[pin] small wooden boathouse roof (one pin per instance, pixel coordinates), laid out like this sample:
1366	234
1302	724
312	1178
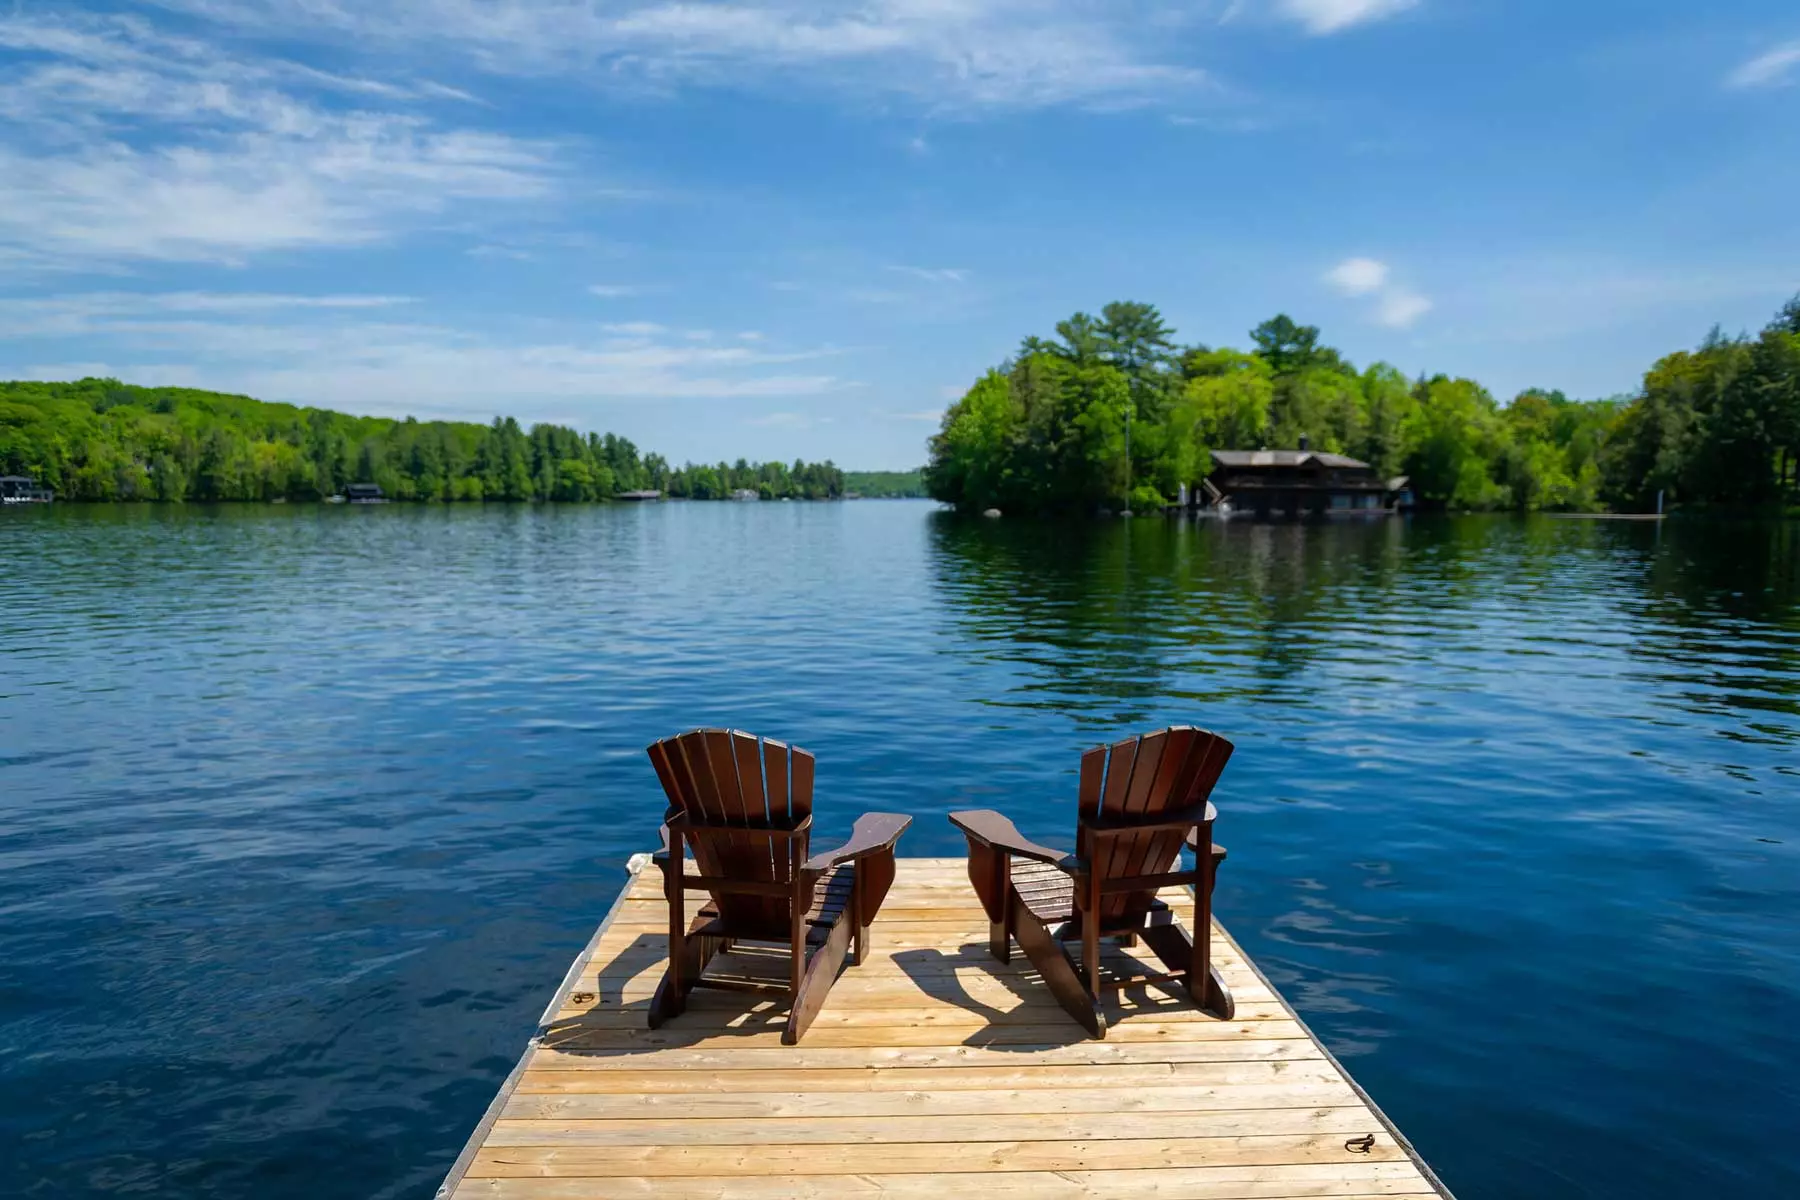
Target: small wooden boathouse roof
1286	458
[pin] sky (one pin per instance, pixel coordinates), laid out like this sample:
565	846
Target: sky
775	229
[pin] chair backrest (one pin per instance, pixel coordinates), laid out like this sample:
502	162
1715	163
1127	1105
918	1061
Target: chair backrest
747	804
1143	781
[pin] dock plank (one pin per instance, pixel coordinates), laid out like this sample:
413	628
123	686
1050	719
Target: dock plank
932	1070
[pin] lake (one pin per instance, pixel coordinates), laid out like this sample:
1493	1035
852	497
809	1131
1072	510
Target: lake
304	810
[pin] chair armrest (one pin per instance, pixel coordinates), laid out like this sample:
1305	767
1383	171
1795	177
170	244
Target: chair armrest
1218	851
988	828
872	833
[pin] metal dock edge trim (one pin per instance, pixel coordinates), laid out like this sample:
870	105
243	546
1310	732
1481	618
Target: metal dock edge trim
633	867
1393	1130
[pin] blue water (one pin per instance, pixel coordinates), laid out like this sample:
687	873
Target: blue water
304	811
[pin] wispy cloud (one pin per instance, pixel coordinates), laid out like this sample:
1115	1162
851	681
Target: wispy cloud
938	53
1772	68
1400	308
787	420
121	142
1320	17
1223	123
1395	305
615	291
934	274
924	414
333	351
110	312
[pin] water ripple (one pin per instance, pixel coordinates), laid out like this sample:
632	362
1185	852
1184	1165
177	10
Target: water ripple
303	811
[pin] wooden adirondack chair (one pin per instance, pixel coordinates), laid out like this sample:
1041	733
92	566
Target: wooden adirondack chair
1141	800
744	806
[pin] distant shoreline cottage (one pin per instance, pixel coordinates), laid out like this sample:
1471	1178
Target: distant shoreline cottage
1299	483
23	489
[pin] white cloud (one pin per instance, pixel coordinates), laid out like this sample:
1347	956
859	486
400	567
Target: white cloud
787	420
934	274
256	193
1322	17
120	142
326	350
750	335
1395	306
1770	69
1400	308
637	329
1222	124
105	312
939	53
614	291
1358	276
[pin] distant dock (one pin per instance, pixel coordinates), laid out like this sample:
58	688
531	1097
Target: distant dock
932	1071
1608	516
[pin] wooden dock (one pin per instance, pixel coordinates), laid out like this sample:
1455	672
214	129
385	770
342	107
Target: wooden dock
932	1071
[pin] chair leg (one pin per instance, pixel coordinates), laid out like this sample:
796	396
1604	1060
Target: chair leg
990	871
1204	981
686	964
1048	955
671	993
1090	955
1090	936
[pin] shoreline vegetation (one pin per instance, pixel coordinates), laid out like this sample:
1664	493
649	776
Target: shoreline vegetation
102	440
1717	427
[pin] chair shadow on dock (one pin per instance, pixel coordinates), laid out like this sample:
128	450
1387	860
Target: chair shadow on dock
606	1013
934	972
610	1017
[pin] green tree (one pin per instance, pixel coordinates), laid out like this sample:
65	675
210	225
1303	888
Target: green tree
1455	437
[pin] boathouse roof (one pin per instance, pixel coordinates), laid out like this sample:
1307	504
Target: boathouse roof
1283	458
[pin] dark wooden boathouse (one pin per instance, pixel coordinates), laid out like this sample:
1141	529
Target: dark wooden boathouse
23	489
1298	483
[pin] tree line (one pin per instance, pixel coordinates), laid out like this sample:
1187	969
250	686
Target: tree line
99	439
1048	430
885	485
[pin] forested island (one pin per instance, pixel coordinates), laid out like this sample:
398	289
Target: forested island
1046	431
99	439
